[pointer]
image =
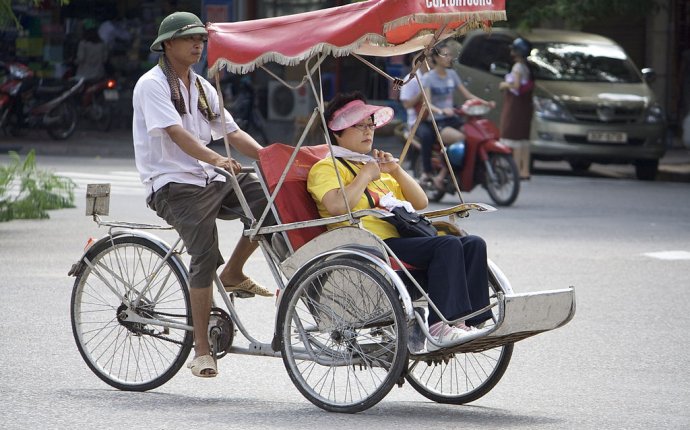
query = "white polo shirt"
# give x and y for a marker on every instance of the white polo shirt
(407, 92)
(159, 159)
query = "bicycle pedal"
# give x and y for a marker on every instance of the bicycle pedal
(243, 294)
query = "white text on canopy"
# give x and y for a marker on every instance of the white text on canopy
(450, 3)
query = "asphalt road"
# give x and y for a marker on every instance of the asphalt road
(621, 363)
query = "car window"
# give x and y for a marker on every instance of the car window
(580, 62)
(481, 51)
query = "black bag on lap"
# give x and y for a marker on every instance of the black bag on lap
(411, 224)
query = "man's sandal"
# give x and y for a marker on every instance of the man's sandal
(203, 366)
(247, 288)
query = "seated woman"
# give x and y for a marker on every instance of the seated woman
(456, 267)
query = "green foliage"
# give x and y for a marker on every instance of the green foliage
(531, 13)
(29, 193)
(7, 16)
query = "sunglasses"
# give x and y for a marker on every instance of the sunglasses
(364, 127)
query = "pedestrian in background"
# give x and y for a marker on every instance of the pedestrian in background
(92, 53)
(516, 116)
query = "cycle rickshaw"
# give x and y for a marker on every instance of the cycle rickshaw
(346, 304)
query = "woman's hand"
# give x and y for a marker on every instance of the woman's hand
(386, 162)
(371, 171)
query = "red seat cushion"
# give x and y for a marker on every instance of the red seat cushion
(293, 202)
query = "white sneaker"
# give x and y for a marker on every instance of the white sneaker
(462, 326)
(443, 333)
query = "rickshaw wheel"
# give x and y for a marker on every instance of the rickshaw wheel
(458, 378)
(343, 335)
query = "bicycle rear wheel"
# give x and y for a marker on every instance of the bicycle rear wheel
(343, 335)
(128, 355)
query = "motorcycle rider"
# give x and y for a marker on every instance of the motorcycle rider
(440, 85)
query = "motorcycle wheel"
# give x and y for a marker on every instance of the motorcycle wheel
(67, 123)
(506, 186)
(15, 127)
(432, 193)
(101, 113)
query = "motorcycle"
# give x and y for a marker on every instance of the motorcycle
(97, 102)
(480, 159)
(97, 99)
(28, 102)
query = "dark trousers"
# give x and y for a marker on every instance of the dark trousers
(427, 136)
(457, 273)
(192, 211)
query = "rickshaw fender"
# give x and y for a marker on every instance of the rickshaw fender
(351, 252)
(501, 278)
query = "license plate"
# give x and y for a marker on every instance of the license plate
(111, 95)
(607, 136)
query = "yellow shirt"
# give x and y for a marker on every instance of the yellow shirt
(322, 179)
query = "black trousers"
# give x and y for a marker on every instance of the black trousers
(456, 270)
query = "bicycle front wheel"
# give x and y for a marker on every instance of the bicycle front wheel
(128, 278)
(343, 335)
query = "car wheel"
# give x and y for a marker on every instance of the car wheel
(646, 170)
(580, 166)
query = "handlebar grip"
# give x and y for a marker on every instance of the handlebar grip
(245, 169)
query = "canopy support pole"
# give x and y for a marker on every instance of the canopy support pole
(233, 178)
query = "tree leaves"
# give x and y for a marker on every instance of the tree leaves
(574, 14)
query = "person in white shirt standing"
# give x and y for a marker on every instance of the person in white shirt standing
(176, 114)
(410, 97)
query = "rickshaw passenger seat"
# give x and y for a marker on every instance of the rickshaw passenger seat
(293, 202)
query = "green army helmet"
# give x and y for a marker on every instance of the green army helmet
(177, 24)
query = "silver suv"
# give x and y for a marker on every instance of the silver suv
(592, 104)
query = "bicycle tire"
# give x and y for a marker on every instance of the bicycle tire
(460, 378)
(130, 356)
(356, 330)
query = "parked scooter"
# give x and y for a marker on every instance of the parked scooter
(28, 102)
(480, 159)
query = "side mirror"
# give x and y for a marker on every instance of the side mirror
(499, 69)
(649, 75)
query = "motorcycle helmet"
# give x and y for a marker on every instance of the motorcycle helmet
(456, 153)
(521, 47)
(177, 24)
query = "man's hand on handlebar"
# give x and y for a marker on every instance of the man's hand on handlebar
(230, 164)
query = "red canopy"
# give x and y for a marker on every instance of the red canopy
(374, 27)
